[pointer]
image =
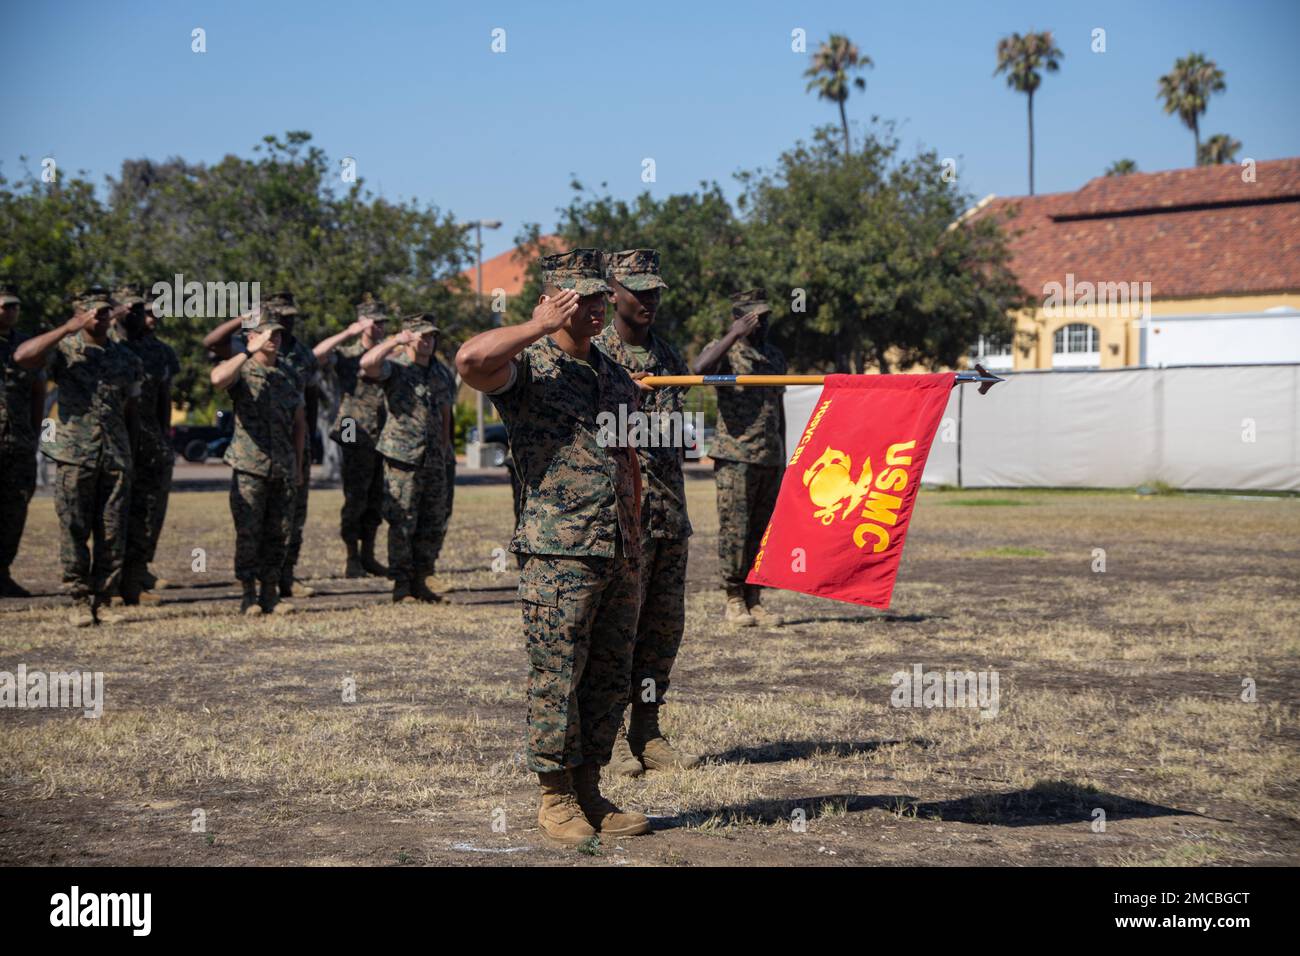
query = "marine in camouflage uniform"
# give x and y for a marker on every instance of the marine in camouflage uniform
(22, 391)
(265, 456)
(357, 426)
(748, 450)
(631, 341)
(167, 463)
(92, 445)
(152, 466)
(448, 376)
(299, 362)
(413, 444)
(579, 527)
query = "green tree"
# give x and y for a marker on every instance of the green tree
(1186, 90)
(1022, 58)
(832, 62)
(700, 243)
(286, 220)
(1121, 167)
(52, 244)
(865, 262)
(1217, 150)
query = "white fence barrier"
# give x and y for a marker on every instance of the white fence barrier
(1210, 427)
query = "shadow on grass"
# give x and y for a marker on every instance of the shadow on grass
(886, 617)
(1055, 802)
(803, 749)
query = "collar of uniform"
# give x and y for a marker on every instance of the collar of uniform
(595, 360)
(81, 342)
(403, 358)
(257, 368)
(622, 353)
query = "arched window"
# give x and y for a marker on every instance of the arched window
(1077, 345)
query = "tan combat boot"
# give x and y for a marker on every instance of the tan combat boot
(83, 615)
(560, 815)
(100, 609)
(648, 742)
(353, 568)
(152, 582)
(368, 560)
(737, 610)
(760, 614)
(624, 763)
(291, 586)
(602, 813)
(248, 605)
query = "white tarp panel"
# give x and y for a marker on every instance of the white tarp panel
(1060, 429)
(1228, 427)
(1233, 427)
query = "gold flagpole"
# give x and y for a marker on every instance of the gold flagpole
(982, 375)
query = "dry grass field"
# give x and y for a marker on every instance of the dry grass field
(1120, 691)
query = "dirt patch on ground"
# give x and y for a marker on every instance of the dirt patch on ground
(1120, 734)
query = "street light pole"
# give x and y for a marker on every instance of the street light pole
(478, 396)
(479, 225)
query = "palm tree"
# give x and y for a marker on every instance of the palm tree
(1218, 149)
(1121, 167)
(831, 65)
(1021, 58)
(1187, 88)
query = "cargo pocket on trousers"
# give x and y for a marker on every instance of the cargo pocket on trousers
(541, 608)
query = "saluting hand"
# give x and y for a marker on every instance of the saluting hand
(80, 321)
(553, 312)
(405, 337)
(744, 325)
(257, 341)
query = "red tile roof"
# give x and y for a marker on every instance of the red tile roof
(507, 271)
(1189, 232)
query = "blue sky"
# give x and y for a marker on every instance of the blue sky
(414, 93)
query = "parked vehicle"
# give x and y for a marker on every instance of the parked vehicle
(198, 443)
(497, 440)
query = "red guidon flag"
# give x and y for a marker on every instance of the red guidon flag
(846, 499)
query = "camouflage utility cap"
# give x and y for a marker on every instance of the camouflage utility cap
(93, 298)
(280, 303)
(262, 322)
(582, 270)
(128, 295)
(420, 324)
(636, 269)
(368, 308)
(751, 300)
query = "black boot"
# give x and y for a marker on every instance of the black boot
(368, 560)
(354, 568)
(11, 588)
(249, 604)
